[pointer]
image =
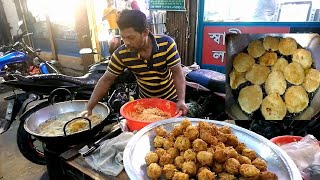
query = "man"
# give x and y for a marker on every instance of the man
(153, 59)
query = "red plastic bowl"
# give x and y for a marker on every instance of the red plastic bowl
(164, 105)
(281, 140)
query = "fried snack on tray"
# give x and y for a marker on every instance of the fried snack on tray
(287, 46)
(296, 99)
(243, 62)
(198, 159)
(271, 43)
(256, 49)
(250, 98)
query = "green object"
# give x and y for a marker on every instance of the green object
(169, 5)
(194, 109)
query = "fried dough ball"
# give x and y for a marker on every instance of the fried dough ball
(248, 170)
(189, 168)
(182, 143)
(231, 152)
(232, 166)
(249, 153)
(226, 176)
(208, 138)
(167, 144)
(287, 46)
(160, 152)
(268, 58)
(221, 145)
(273, 107)
(151, 157)
(177, 130)
(191, 133)
(271, 43)
(303, 57)
(190, 155)
(206, 174)
(250, 98)
(237, 78)
(280, 64)
(171, 137)
(255, 48)
(244, 160)
(217, 167)
(178, 161)
(160, 131)
(240, 147)
(199, 145)
(210, 128)
(219, 155)
(169, 170)
(249, 178)
(258, 74)
(260, 164)
(205, 158)
(185, 123)
(154, 171)
(165, 159)
(243, 62)
(180, 176)
(232, 140)
(267, 175)
(296, 99)
(311, 80)
(222, 137)
(174, 152)
(294, 73)
(225, 130)
(158, 142)
(275, 83)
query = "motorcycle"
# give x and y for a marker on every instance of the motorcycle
(20, 58)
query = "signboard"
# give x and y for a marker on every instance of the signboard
(169, 5)
(214, 45)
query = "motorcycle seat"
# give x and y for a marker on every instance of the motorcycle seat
(213, 80)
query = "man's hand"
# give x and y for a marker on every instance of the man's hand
(181, 106)
(85, 113)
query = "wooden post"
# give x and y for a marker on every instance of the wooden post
(51, 39)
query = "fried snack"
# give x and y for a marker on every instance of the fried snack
(220, 145)
(225, 130)
(296, 99)
(312, 80)
(189, 168)
(260, 164)
(210, 128)
(294, 73)
(208, 137)
(231, 152)
(182, 143)
(243, 62)
(217, 167)
(268, 58)
(249, 153)
(169, 170)
(199, 145)
(226, 176)
(250, 98)
(76, 126)
(171, 137)
(275, 83)
(237, 78)
(219, 155)
(271, 43)
(248, 170)
(180, 176)
(232, 140)
(174, 152)
(165, 159)
(190, 155)
(222, 138)
(178, 161)
(240, 147)
(255, 48)
(202, 168)
(303, 57)
(273, 107)
(267, 175)
(158, 142)
(185, 123)
(257, 74)
(160, 131)
(232, 166)
(167, 144)
(191, 133)
(280, 64)
(177, 130)
(287, 46)
(205, 158)
(154, 171)
(206, 174)
(244, 160)
(160, 152)
(151, 157)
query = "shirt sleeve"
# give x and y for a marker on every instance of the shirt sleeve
(173, 57)
(115, 65)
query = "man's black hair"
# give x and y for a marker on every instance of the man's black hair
(132, 19)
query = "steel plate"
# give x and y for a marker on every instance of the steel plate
(141, 143)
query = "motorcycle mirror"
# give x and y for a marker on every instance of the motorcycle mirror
(20, 23)
(85, 51)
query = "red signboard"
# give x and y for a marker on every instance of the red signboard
(213, 45)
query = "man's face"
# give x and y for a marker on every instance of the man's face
(134, 40)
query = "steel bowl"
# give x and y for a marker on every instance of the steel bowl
(141, 143)
(238, 42)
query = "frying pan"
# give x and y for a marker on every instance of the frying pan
(236, 43)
